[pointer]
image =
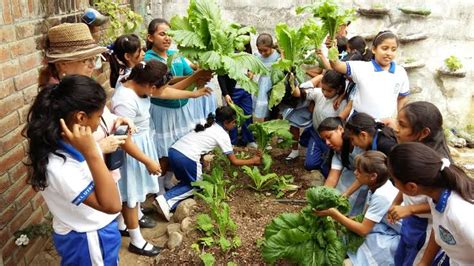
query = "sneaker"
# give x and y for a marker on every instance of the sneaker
(293, 155)
(252, 145)
(162, 207)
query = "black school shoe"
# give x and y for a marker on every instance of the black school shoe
(146, 222)
(141, 251)
(124, 232)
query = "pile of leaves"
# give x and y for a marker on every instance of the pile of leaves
(306, 239)
(332, 16)
(205, 38)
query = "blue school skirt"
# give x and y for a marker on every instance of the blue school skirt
(99, 247)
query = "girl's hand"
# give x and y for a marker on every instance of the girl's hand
(319, 53)
(228, 99)
(202, 92)
(202, 77)
(250, 74)
(257, 159)
(111, 143)
(337, 103)
(329, 212)
(396, 213)
(125, 121)
(80, 137)
(153, 168)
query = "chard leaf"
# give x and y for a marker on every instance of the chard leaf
(277, 93)
(241, 116)
(207, 258)
(266, 162)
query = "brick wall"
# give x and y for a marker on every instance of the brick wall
(22, 25)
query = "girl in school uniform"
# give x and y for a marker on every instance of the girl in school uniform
(382, 85)
(132, 100)
(172, 118)
(381, 237)
(68, 170)
(332, 85)
(185, 156)
(341, 174)
(417, 169)
(417, 122)
(268, 55)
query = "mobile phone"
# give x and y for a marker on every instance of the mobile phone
(121, 130)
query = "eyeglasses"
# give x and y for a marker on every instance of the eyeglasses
(94, 61)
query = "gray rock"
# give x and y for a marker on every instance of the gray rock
(186, 225)
(171, 228)
(174, 240)
(313, 179)
(183, 210)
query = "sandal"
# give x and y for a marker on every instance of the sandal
(141, 251)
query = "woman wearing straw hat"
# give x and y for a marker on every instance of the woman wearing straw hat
(70, 49)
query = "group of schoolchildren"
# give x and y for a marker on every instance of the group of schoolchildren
(417, 205)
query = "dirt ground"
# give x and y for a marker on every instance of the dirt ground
(251, 211)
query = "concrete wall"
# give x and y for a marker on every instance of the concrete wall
(449, 31)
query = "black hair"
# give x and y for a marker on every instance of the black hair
(330, 124)
(223, 114)
(334, 80)
(357, 43)
(341, 42)
(363, 122)
(125, 44)
(371, 162)
(73, 94)
(422, 115)
(152, 29)
(420, 164)
(382, 36)
(265, 39)
(152, 72)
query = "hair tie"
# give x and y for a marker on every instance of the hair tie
(382, 33)
(445, 163)
(111, 48)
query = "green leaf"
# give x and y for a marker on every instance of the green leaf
(224, 244)
(241, 116)
(333, 54)
(207, 241)
(208, 259)
(266, 162)
(322, 198)
(204, 223)
(277, 93)
(187, 38)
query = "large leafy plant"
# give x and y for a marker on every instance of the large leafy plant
(332, 16)
(270, 181)
(204, 37)
(306, 239)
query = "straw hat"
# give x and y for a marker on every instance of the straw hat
(71, 42)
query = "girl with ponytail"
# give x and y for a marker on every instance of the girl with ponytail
(416, 169)
(185, 156)
(68, 169)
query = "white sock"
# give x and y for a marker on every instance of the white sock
(293, 154)
(139, 210)
(161, 185)
(137, 239)
(121, 222)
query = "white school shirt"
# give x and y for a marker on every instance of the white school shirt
(323, 107)
(378, 204)
(377, 90)
(414, 200)
(195, 144)
(69, 184)
(453, 227)
(126, 103)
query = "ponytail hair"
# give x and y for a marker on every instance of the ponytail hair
(125, 44)
(363, 122)
(373, 162)
(422, 115)
(330, 124)
(151, 72)
(223, 114)
(358, 44)
(73, 94)
(420, 164)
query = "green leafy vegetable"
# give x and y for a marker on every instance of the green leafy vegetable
(453, 63)
(260, 181)
(204, 37)
(333, 54)
(304, 238)
(208, 259)
(354, 241)
(241, 116)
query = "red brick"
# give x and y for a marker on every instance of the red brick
(12, 193)
(11, 158)
(45, 209)
(30, 93)
(7, 215)
(5, 235)
(21, 218)
(11, 104)
(23, 47)
(31, 61)
(25, 30)
(7, 14)
(8, 252)
(16, 9)
(4, 53)
(6, 125)
(23, 113)
(7, 34)
(37, 217)
(6, 88)
(4, 184)
(11, 140)
(35, 248)
(17, 172)
(10, 69)
(37, 201)
(25, 197)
